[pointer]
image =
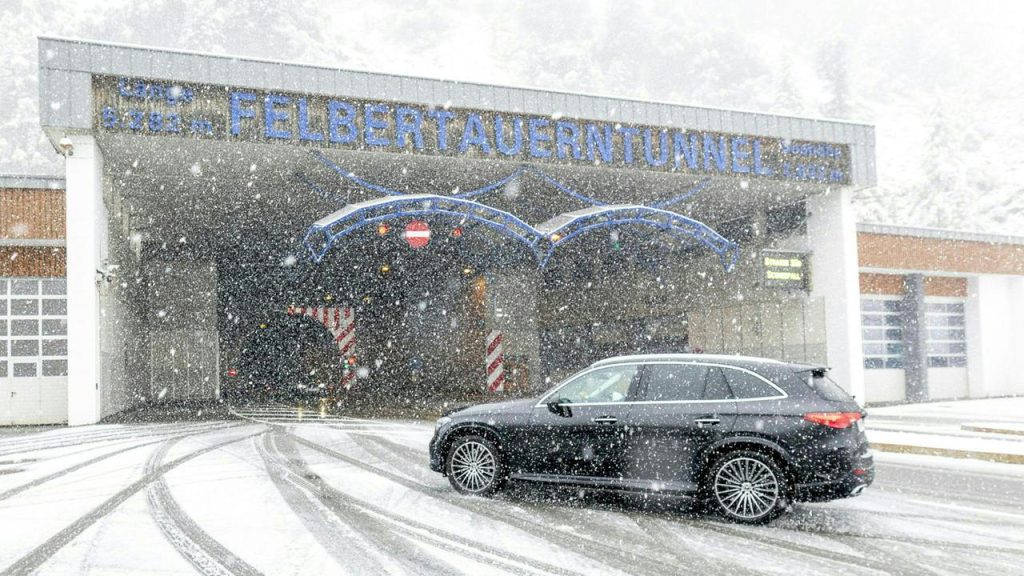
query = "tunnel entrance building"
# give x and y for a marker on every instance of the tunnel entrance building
(468, 229)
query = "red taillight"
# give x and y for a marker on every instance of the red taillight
(833, 419)
(232, 372)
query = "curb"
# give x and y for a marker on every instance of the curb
(990, 430)
(949, 453)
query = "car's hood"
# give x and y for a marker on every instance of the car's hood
(520, 406)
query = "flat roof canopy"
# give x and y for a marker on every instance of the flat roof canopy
(223, 151)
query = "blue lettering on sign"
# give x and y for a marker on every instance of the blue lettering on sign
(740, 154)
(171, 94)
(203, 127)
(272, 115)
(138, 120)
(567, 139)
(662, 148)
(683, 147)
(442, 117)
(304, 132)
(341, 115)
(473, 134)
(238, 112)
(372, 123)
(517, 135)
(714, 153)
(627, 142)
(759, 168)
(537, 136)
(139, 107)
(408, 123)
(599, 140)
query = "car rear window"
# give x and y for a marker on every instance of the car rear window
(826, 387)
(748, 385)
(717, 388)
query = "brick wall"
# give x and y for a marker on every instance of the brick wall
(892, 285)
(938, 255)
(32, 214)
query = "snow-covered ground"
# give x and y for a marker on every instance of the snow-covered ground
(279, 494)
(987, 428)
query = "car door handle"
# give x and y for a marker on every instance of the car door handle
(709, 421)
(604, 420)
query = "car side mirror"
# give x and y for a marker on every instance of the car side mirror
(560, 408)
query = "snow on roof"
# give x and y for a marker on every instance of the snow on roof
(32, 181)
(685, 357)
(938, 233)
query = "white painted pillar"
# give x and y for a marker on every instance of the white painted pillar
(832, 236)
(86, 239)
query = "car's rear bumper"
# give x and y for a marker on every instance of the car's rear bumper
(856, 474)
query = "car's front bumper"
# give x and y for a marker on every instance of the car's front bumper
(436, 461)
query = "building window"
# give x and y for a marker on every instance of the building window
(882, 332)
(947, 337)
(33, 327)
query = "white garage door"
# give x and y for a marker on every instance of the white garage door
(33, 351)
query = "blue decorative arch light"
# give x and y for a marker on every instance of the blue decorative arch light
(324, 233)
(541, 241)
(567, 227)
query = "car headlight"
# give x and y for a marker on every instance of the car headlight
(442, 421)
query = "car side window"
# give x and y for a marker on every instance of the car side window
(605, 385)
(747, 385)
(717, 388)
(668, 382)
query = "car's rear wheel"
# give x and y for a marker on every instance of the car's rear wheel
(474, 465)
(747, 486)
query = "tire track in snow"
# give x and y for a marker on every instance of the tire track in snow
(40, 554)
(78, 439)
(336, 537)
(750, 537)
(646, 561)
(206, 554)
(65, 471)
(399, 530)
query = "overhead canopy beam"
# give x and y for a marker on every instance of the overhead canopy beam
(541, 241)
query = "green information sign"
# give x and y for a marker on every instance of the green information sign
(785, 269)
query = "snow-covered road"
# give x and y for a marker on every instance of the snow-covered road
(284, 494)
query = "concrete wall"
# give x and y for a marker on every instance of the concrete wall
(181, 320)
(124, 351)
(513, 307)
(691, 295)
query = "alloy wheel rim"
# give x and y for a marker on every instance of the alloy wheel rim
(473, 466)
(746, 487)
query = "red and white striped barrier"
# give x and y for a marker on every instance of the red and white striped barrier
(495, 362)
(341, 323)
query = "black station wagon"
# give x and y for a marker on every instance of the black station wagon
(745, 435)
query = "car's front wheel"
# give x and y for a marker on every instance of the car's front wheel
(474, 465)
(747, 486)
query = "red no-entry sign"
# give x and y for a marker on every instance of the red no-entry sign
(417, 233)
